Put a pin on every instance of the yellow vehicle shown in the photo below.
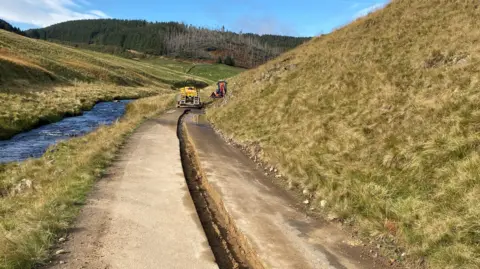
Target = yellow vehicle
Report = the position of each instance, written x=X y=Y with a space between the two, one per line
x=189 y=97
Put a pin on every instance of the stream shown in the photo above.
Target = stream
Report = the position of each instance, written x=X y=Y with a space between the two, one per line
x=34 y=143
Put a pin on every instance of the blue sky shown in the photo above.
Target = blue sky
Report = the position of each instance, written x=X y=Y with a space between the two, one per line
x=286 y=17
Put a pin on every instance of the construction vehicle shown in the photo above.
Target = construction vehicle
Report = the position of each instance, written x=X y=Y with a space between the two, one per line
x=189 y=97
x=221 y=90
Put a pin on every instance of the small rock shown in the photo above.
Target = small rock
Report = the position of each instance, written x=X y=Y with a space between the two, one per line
x=462 y=61
x=278 y=176
x=305 y=192
x=60 y=251
x=271 y=169
x=331 y=217
x=403 y=254
x=323 y=203
x=306 y=202
x=61 y=262
x=375 y=255
x=379 y=246
x=353 y=242
x=61 y=239
x=275 y=170
x=266 y=174
x=28 y=183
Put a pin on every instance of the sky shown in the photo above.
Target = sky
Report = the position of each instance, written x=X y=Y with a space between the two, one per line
x=283 y=17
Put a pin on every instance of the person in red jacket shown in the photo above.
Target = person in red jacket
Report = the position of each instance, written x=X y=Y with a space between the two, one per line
x=221 y=90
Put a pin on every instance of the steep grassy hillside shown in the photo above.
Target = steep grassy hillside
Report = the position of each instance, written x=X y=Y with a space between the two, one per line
x=380 y=119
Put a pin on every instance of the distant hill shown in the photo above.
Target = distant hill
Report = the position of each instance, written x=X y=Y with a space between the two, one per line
x=8 y=27
x=169 y=39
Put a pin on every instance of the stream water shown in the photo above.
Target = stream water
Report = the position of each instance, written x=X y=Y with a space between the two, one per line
x=34 y=143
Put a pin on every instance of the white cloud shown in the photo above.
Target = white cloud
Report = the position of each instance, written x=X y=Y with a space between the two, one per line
x=368 y=10
x=263 y=25
x=47 y=12
x=99 y=13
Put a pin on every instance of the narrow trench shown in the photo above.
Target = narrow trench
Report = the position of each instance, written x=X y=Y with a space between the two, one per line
x=228 y=254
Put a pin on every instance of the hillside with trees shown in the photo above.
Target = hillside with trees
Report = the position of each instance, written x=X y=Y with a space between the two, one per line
x=8 y=27
x=169 y=39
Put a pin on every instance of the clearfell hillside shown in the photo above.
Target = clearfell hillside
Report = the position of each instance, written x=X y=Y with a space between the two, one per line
x=381 y=119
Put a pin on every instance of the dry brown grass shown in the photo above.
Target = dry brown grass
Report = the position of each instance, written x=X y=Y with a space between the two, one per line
x=381 y=120
x=31 y=220
x=23 y=62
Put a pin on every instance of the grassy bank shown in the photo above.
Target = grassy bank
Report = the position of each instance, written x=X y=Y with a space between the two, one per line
x=380 y=120
x=23 y=110
x=32 y=216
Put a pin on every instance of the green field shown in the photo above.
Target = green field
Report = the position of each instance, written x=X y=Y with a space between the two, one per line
x=211 y=72
x=380 y=120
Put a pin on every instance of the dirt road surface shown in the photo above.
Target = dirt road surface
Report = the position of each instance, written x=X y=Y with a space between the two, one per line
x=140 y=216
